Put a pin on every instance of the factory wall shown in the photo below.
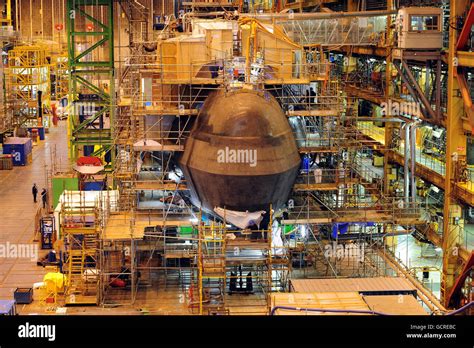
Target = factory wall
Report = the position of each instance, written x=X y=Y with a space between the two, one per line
x=38 y=18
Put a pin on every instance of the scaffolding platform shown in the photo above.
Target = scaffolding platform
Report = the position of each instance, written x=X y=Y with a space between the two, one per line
x=318 y=300
x=212 y=4
x=165 y=112
x=170 y=148
x=313 y=113
x=157 y=185
x=318 y=149
x=118 y=225
x=332 y=186
x=379 y=285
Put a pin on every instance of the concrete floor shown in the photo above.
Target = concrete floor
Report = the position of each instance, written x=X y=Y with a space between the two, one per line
x=18 y=212
x=416 y=255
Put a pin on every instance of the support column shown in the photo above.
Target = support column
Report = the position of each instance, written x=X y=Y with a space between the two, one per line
x=91 y=65
x=388 y=93
x=455 y=147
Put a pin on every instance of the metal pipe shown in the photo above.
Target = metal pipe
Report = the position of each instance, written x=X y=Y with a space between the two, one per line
x=318 y=15
x=379 y=119
x=409 y=86
x=40 y=108
x=413 y=128
x=302 y=16
x=9 y=12
x=462 y=309
x=438 y=89
x=421 y=95
x=406 y=170
x=31 y=19
x=327 y=310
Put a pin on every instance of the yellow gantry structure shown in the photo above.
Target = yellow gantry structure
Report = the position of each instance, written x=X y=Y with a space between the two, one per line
x=28 y=80
x=8 y=13
x=60 y=66
x=455 y=143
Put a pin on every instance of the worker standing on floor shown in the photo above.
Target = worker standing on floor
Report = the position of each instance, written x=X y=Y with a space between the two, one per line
x=44 y=197
x=34 y=191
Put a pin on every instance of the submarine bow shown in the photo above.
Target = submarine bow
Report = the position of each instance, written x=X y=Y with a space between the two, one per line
x=241 y=153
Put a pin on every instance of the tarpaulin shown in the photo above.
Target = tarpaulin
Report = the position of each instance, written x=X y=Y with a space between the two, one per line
x=241 y=219
x=89 y=161
x=57 y=278
x=342 y=227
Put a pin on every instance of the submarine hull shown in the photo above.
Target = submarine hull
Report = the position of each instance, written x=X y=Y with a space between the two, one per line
x=241 y=154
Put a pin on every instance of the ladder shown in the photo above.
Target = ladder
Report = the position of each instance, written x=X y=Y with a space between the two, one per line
x=212 y=269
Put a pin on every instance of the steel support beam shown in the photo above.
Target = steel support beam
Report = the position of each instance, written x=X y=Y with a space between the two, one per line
x=389 y=126
x=91 y=69
x=466 y=29
x=419 y=93
x=455 y=147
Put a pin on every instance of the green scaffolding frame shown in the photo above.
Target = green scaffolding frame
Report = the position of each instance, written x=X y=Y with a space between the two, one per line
x=88 y=70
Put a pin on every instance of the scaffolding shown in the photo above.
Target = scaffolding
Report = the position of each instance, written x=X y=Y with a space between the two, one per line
x=60 y=71
x=309 y=29
x=28 y=84
x=5 y=111
x=213 y=266
x=81 y=231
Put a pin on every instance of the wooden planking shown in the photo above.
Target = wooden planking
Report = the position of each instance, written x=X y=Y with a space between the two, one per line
x=395 y=304
x=157 y=185
x=307 y=221
x=352 y=284
x=321 y=300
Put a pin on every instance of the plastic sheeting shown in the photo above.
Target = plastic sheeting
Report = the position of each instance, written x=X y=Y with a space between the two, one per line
x=241 y=219
x=58 y=279
x=88 y=169
x=89 y=165
x=277 y=241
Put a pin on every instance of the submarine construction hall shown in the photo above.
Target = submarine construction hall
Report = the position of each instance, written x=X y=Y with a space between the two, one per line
x=237 y=157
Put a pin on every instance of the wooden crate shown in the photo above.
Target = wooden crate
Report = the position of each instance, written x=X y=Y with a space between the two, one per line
x=6 y=162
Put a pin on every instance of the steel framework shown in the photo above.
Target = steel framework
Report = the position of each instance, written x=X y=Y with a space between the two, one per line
x=91 y=70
